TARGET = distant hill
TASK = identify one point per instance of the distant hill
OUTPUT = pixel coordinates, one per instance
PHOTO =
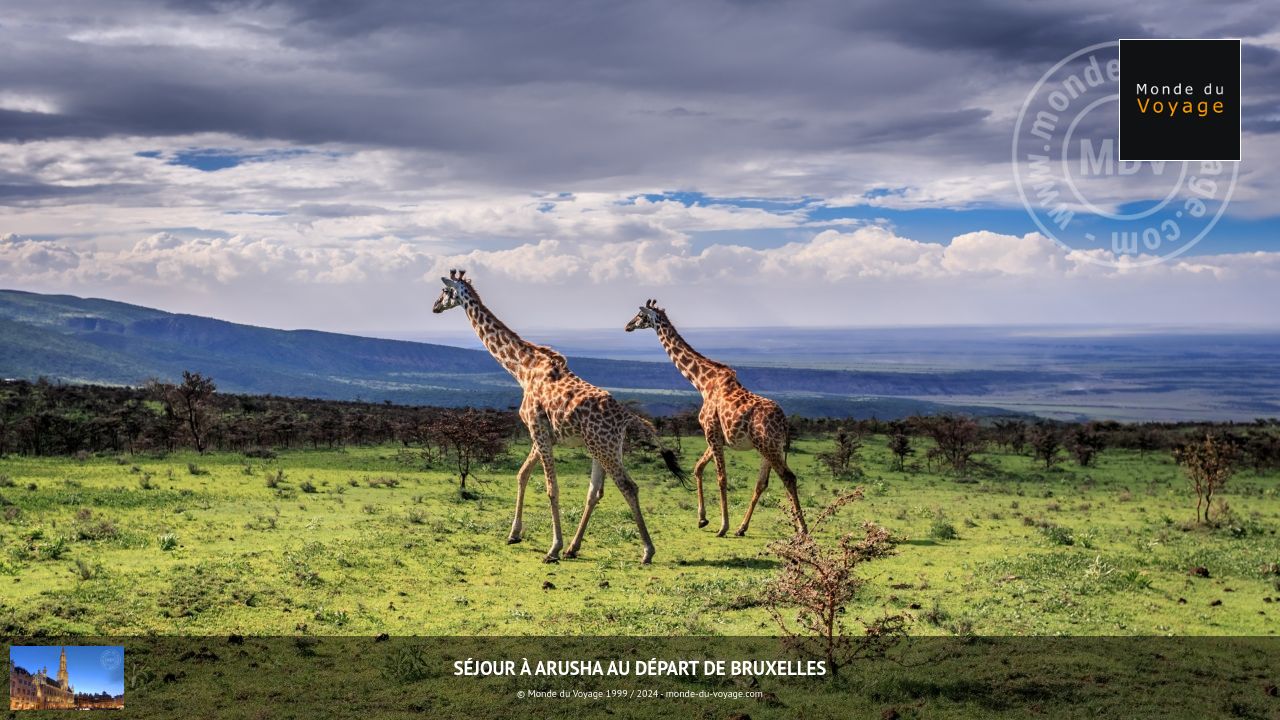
(74, 339)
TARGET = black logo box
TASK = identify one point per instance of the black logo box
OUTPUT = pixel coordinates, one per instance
(1188, 65)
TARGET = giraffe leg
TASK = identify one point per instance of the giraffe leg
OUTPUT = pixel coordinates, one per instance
(774, 459)
(632, 495)
(522, 481)
(761, 483)
(542, 441)
(594, 493)
(722, 481)
(789, 482)
(697, 474)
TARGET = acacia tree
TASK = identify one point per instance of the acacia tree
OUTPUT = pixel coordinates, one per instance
(1012, 434)
(1209, 464)
(469, 437)
(131, 418)
(900, 443)
(191, 400)
(1045, 443)
(1085, 443)
(666, 425)
(1145, 440)
(1263, 450)
(956, 440)
(840, 459)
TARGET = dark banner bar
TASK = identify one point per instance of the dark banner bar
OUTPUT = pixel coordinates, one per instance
(691, 677)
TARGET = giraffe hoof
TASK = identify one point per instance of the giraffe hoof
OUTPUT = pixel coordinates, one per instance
(571, 553)
(722, 532)
(647, 557)
(551, 559)
(703, 522)
(740, 532)
(513, 540)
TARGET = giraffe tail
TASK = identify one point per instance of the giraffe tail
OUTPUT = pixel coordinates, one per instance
(651, 440)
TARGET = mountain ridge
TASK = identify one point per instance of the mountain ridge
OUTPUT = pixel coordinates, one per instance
(97, 340)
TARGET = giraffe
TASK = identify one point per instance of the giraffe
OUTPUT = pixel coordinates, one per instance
(558, 404)
(730, 416)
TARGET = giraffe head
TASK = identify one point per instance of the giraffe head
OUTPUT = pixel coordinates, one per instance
(456, 289)
(650, 316)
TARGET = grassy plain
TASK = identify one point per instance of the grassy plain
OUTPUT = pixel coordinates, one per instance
(357, 542)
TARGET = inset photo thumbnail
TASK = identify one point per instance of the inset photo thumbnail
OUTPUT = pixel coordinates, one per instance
(73, 677)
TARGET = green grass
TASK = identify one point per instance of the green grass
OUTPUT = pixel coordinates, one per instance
(355, 542)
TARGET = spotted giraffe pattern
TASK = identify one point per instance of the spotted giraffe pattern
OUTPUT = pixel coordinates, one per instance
(731, 416)
(557, 405)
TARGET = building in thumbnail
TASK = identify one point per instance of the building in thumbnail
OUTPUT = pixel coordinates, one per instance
(38, 691)
(98, 701)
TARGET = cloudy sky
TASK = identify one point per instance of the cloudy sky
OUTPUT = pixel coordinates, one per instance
(319, 164)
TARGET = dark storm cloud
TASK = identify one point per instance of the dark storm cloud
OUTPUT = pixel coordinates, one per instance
(862, 134)
(18, 125)
(547, 95)
(1008, 31)
(16, 193)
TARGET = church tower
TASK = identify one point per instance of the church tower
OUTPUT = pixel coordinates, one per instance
(63, 681)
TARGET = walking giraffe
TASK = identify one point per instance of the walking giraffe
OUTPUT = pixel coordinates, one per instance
(730, 416)
(558, 404)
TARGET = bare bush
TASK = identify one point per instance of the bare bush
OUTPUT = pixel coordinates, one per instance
(470, 437)
(841, 459)
(1209, 464)
(819, 580)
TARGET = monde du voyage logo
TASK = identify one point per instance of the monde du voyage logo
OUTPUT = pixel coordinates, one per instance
(1125, 152)
(1180, 100)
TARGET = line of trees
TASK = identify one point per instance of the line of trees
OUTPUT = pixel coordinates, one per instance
(955, 441)
(43, 418)
(1208, 454)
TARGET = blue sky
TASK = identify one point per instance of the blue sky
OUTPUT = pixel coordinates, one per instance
(1232, 234)
(821, 162)
(85, 667)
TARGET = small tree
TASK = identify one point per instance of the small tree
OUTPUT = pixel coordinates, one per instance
(1012, 434)
(819, 581)
(1145, 440)
(841, 458)
(900, 444)
(1209, 464)
(956, 440)
(469, 437)
(191, 400)
(1085, 444)
(793, 434)
(131, 418)
(666, 425)
(1045, 443)
(1263, 450)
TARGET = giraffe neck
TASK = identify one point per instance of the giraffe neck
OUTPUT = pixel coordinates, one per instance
(693, 365)
(509, 349)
